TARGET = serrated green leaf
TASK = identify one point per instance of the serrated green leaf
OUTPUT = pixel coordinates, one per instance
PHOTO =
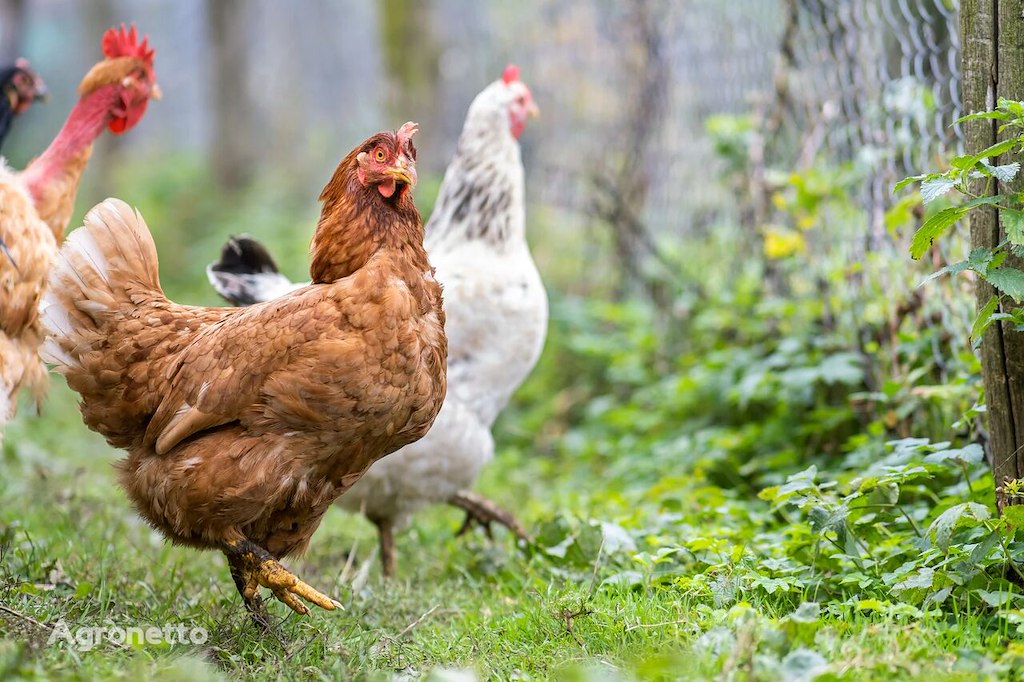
(1010, 106)
(997, 598)
(983, 320)
(998, 148)
(983, 115)
(1013, 224)
(933, 228)
(921, 579)
(807, 612)
(1003, 173)
(979, 261)
(942, 527)
(981, 201)
(1008, 280)
(933, 189)
(907, 181)
(982, 549)
(969, 454)
(1015, 515)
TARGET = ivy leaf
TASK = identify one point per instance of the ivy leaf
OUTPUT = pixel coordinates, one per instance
(983, 320)
(946, 523)
(933, 189)
(933, 228)
(1008, 280)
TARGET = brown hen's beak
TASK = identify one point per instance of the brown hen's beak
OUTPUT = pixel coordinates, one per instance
(155, 92)
(403, 173)
(533, 111)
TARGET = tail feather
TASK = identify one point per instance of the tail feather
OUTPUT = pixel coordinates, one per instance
(97, 270)
(246, 273)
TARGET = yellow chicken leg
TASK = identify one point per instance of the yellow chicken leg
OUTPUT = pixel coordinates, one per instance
(257, 567)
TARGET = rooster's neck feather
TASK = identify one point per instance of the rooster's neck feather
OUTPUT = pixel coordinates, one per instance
(53, 177)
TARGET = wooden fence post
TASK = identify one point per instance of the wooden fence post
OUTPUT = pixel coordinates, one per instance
(992, 66)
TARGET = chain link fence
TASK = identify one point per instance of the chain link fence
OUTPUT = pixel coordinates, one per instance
(626, 90)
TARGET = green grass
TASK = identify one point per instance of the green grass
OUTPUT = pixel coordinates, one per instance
(73, 549)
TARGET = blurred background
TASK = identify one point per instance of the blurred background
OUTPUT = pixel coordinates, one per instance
(646, 106)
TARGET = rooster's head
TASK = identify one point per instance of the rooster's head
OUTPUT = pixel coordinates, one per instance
(388, 161)
(126, 77)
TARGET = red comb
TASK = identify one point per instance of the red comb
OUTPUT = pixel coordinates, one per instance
(406, 132)
(511, 73)
(125, 43)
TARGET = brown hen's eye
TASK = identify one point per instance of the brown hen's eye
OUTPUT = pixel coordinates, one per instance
(380, 154)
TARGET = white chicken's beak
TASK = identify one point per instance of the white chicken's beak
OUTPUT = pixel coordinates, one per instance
(155, 92)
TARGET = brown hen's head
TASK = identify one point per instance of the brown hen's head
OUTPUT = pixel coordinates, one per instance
(387, 161)
(368, 205)
(126, 77)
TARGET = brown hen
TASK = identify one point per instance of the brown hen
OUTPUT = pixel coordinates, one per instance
(243, 425)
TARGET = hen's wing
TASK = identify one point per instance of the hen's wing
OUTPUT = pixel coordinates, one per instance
(223, 374)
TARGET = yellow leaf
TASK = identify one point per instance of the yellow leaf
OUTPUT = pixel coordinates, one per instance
(780, 242)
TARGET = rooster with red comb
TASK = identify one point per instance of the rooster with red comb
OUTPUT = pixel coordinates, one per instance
(39, 200)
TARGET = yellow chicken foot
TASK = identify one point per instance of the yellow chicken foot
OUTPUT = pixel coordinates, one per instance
(481, 511)
(257, 567)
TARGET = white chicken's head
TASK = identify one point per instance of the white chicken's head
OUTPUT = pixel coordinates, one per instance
(508, 97)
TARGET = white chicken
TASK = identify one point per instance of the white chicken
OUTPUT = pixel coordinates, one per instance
(496, 308)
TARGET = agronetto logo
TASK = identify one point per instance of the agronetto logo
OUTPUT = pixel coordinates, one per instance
(86, 637)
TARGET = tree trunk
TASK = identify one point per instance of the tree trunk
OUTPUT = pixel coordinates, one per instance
(233, 141)
(993, 66)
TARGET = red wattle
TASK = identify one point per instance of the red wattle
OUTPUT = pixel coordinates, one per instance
(386, 188)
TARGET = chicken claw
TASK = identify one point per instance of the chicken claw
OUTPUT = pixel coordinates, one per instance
(287, 587)
(481, 511)
(262, 569)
